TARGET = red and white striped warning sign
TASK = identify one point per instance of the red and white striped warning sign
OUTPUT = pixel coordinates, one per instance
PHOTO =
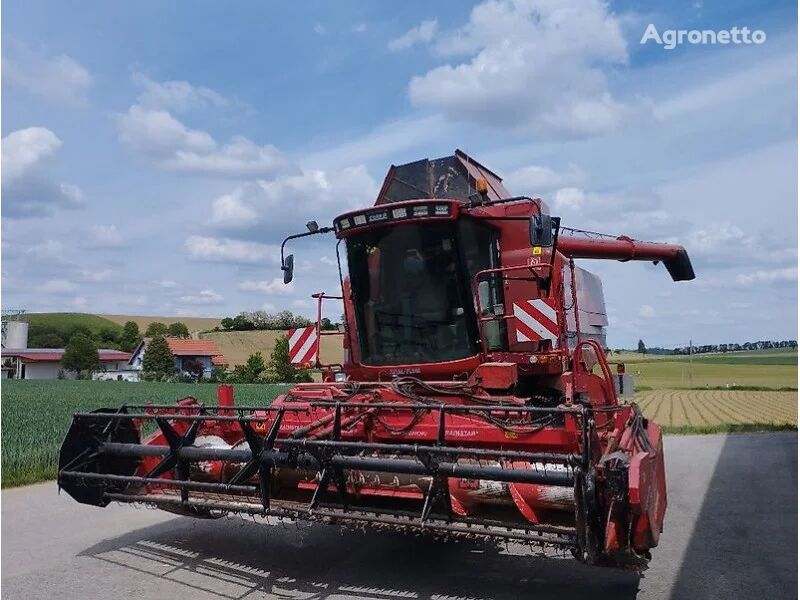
(303, 346)
(536, 320)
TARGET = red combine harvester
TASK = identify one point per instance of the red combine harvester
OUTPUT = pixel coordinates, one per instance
(474, 399)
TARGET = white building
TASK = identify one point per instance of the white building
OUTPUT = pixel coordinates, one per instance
(45, 363)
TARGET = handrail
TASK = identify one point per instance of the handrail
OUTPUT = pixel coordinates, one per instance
(477, 300)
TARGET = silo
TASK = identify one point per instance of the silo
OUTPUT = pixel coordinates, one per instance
(15, 334)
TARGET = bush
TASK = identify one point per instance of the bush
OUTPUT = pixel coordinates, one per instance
(282, 367)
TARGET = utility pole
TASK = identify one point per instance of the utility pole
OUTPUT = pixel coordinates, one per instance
(690, 362)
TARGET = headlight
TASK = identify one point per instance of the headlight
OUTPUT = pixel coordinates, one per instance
(340, 376)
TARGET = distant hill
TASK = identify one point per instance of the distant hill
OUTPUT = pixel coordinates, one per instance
(238, 345)
(193, 323)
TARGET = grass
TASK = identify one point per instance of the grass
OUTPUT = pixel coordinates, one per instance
(37, 414)
(729, 428)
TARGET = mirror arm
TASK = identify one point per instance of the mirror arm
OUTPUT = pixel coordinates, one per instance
(300, 235)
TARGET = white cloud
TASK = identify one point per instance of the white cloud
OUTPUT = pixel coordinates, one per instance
(646, 311)
(359, 28)
(202, 297)
(421, 34)
(274, 286)
(179, 96)
(25, 148)
(165, 283)
(28, 189)
(287, 202)
(535, 65)
(59, 79)
(568, 198)
(157, 132)
(227, 250)
(238, 158)
(56, 286)
(538, 179)
(301, 303)
(767, 276)
(158, 135)
(80, 303)
(105, 236)
(96, 276)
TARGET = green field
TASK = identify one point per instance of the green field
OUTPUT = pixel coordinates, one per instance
(769, 369)
(37, 414)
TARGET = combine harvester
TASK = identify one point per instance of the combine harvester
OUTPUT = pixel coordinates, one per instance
(474, 400)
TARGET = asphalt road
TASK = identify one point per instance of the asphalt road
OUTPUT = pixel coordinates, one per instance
(731, 532)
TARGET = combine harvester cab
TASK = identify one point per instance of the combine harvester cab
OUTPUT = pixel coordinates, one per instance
(474, 399)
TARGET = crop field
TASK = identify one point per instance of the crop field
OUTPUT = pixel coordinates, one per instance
(719, 410)
(37, 414)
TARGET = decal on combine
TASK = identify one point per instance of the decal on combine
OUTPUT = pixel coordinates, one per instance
(536, 320)
(303, 346)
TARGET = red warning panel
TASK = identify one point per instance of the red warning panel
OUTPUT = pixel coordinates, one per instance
(304, 346)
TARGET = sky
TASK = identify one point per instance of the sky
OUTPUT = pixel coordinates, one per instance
(154, 155)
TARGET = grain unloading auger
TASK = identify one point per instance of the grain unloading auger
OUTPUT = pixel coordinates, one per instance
(474, 399)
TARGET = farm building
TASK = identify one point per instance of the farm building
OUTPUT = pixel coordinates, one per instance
(45, 363)
(187, 354)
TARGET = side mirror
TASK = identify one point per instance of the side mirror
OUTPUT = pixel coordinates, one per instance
(541, 230)
(288, 268)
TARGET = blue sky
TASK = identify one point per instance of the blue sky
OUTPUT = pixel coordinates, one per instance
(155, 155)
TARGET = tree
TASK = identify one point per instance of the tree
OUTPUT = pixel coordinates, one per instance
(285, 371)
(107, 335)
(46, 340)
(155, 328)
(641, 348)
(81, 355)
(158, 360)
(178, 330)
(227, 323)
(130, 336)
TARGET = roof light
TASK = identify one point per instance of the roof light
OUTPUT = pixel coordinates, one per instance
(441, 210)
(482, 185)
(398, 213)
(420, 211)
(360, 220)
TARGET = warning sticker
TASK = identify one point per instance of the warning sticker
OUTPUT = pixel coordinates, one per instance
(536, 250)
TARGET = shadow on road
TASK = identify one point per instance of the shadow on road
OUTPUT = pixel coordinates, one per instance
(744, 543)
(233, 559)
